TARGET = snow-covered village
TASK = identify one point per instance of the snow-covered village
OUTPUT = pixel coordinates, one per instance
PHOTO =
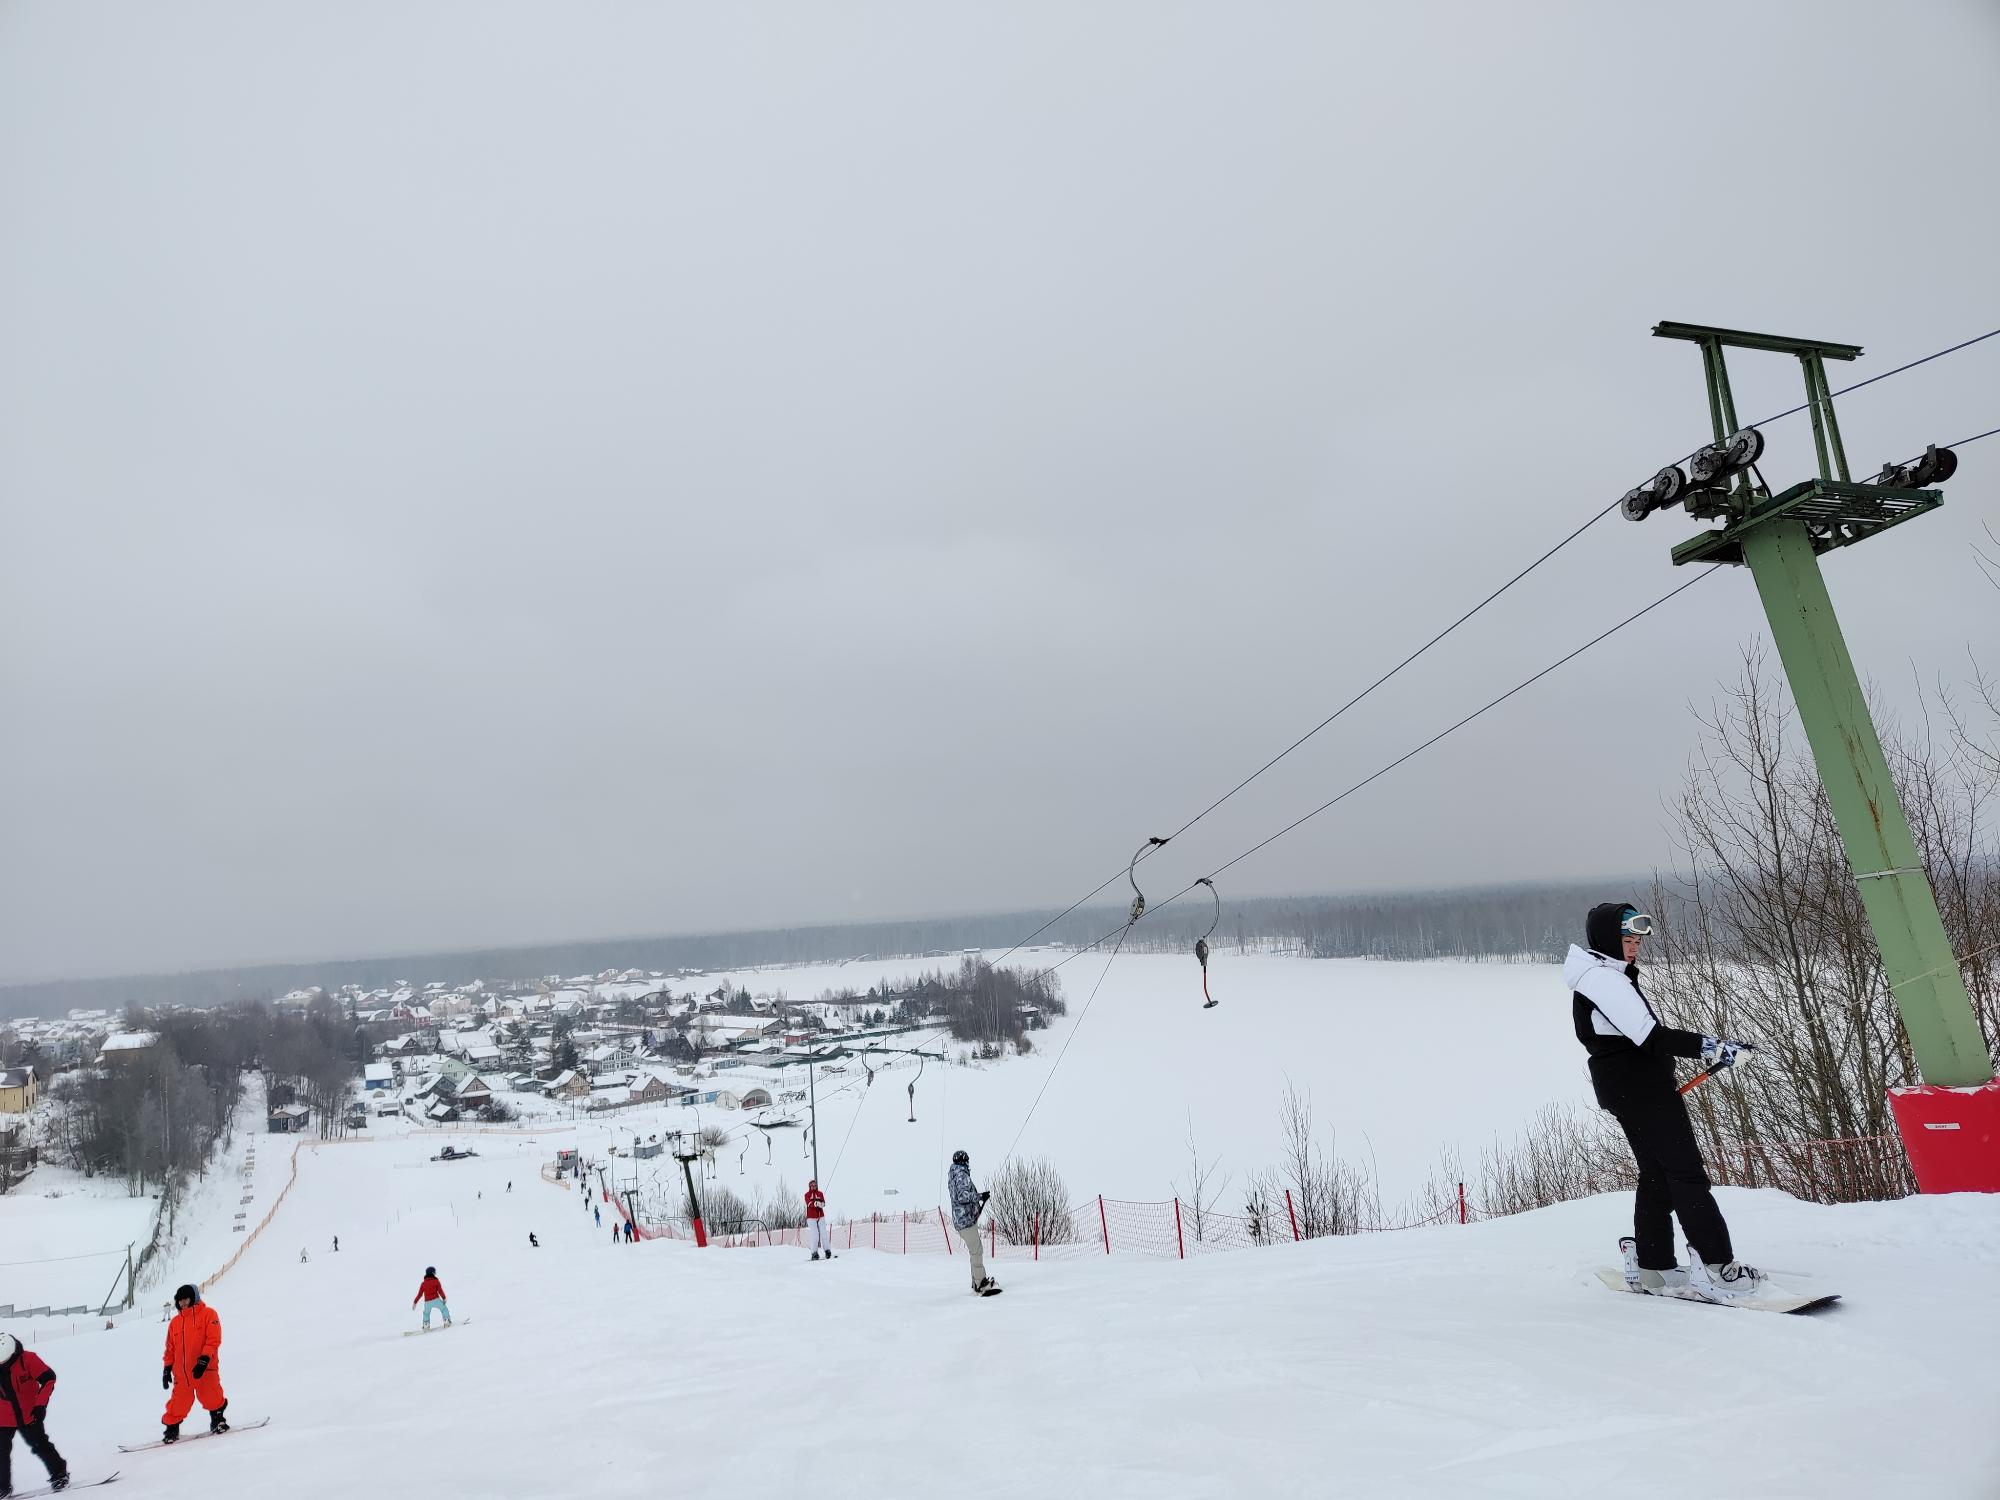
(1142, 752)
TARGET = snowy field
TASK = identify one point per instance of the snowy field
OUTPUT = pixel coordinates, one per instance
(1400, 1060)
(63, 1238)
(1442, 1362)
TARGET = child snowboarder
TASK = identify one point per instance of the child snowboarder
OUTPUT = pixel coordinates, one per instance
(189, 1366)
(26, 1384)
(533, 1243)
(1632, 1073)
(966, 1204)
(816, 1220)
(430, 1292)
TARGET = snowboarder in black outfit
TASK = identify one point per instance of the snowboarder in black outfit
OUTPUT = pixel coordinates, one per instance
(26, 1384)
(532, 1241)
(1632, 1072)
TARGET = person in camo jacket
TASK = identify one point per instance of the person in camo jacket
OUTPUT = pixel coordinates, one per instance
(967, 1203)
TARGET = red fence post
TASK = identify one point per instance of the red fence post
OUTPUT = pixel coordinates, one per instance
(1104, 1223)
(906, 1231)
(1292, 1213)
(1038, 1236)
(874, 1231)
(1461, 1203)
(993, 1238)
(947, 1231)
(1179, 1239)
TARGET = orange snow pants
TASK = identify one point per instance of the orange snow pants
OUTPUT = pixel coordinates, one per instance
(186, 1388)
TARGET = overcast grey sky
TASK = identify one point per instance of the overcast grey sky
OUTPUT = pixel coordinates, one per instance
(486, 472)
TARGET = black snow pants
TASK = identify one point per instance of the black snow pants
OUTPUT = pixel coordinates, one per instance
(1672, 1181)
(36, 1436)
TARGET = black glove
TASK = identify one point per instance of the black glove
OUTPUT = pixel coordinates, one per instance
(39, 1414)
(984, 1196)
(166, 1377)
(201, 1367)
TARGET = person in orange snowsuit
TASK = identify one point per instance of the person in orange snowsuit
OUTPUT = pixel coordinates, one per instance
(189, 1366)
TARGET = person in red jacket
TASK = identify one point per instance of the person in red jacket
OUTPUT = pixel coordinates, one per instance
(189, 1368)
(431, 1294)
(26, 1384)
(816, 1220)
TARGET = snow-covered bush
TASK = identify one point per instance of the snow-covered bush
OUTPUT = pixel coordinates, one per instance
(1027, 1192)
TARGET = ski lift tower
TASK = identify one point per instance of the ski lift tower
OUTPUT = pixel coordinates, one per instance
(1951, 1122)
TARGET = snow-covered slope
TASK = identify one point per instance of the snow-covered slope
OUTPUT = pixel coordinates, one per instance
(1444, 1362)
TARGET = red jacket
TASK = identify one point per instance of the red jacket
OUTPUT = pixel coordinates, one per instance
(815, 1204)
(25, 1383)
(195, 1331)
(431, 1291)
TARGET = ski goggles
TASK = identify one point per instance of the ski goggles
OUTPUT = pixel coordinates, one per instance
(1636, 924)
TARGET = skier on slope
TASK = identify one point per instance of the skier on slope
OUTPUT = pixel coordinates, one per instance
(1632, 1072)
(816, 1220)
(26, 1384)
(967, 1202)
(430, 1292)
(189, 1367)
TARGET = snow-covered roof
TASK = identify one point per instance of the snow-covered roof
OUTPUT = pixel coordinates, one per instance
(130, 1041)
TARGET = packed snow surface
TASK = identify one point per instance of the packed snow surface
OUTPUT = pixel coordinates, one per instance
(1453, 1361)
(1481, 1360)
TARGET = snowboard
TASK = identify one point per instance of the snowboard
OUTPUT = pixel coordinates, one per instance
(991, 1291)
(410, 1333)
(194, 1437)
(1776, 1299)
(74, 1484)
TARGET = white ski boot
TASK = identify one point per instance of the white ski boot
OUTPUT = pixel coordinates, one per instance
(1672, 1283)
(1734, 1282)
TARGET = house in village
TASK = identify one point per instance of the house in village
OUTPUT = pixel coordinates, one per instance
(568, 1084)
(288, 1119)
(127, 1049)
(713, 1029)
(19, 1089)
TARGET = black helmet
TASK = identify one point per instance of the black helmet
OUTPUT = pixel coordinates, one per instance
(191, 1292)
(959, 1158)
(430, 1270)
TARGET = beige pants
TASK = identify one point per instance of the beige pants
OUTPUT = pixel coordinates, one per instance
(972, 1248)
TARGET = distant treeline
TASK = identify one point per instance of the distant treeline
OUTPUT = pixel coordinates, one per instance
(1494, 921)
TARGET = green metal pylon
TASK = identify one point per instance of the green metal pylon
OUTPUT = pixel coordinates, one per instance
(1779, 538)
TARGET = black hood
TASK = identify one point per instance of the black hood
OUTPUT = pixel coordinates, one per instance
(193, 1293)
(1601, 929)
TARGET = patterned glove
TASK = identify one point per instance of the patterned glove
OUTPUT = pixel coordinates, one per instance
(201, 1367)
(1720, 1052)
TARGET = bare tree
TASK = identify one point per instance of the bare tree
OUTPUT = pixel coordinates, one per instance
(1766, 937)
(1200, 1191)
(1328, 1195)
